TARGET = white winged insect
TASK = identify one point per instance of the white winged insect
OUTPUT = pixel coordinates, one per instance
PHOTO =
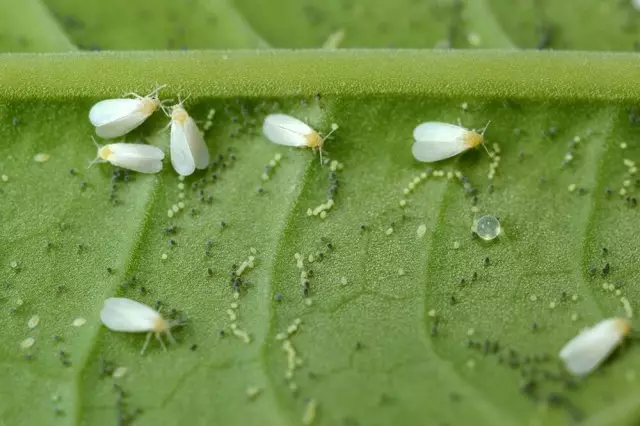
(188, 148)
(113, 118)
(435, 141)
(129, 316)
(586, 351)
(133, 156)
(287, 130)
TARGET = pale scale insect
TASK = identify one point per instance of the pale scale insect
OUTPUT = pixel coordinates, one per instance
(133, 156)
(435, 141)
(129, 316)
(113, 118)
(586, 351)
(286, 130)
(188, 148)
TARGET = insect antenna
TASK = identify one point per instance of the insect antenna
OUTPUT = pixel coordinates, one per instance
(97, 159)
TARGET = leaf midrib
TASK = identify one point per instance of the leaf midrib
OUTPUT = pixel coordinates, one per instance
(506, 74)
(112, 291)
(271, 331)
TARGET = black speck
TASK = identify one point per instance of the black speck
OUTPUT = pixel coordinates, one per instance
(386, 399)
(606, 269)
(194, 347)
(110, 270)
(529, 387)
(486, 261)
(555, 399)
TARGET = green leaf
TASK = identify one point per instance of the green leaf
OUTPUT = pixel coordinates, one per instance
(161, 24)
(30, 28)
(372, 349)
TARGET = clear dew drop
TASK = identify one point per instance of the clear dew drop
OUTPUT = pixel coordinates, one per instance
(487, 227)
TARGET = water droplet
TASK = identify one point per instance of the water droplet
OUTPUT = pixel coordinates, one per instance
(487, 227)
